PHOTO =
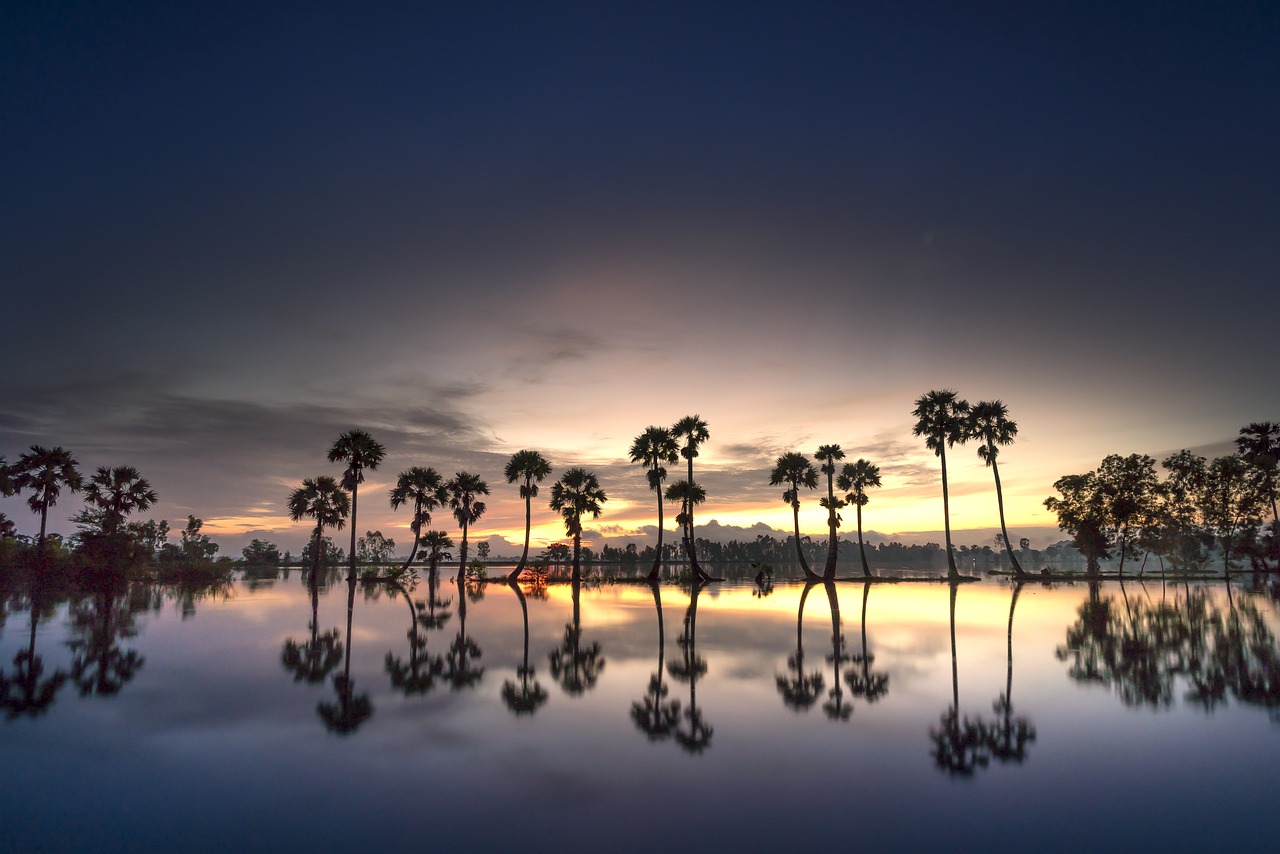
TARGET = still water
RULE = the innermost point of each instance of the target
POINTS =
(1105, 717)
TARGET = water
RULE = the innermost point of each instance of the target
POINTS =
(173, 723)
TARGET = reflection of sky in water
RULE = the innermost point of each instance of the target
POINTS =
(214, 745)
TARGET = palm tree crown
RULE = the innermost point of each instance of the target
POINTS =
(576, 493)
(44, 472)
(652, 448)
(856, 478)
(693, 430)
(989, 423)
(795, 469)
(425, 489)
(941, 419)
(359, 451)
(462, 491)
(321, 499)
(117, 492)
(531, 467)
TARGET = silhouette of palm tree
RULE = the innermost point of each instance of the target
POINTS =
(694, 735)
(828, 455)
(26, 692)
(44, 472)
(460, 670)
(959, 747)
(794, 468)
(532, 468)
(652, 448)
(989, 424)
(359, 451)
(577, 493)
(576, 666)
(462, 492)
(418, 675)
(1008, 737)
(321, 499)
(868, 685)
(350, 710)
(523, 699)
(942, 419)
(425, 488)
(856, 479)
(654, 715)
(799, 689)
(835, 707)
(313, 660)
(693, 430)
(98, 623)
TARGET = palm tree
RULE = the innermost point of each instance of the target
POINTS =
(686, 496)
(462, 492)
(531, 467)
(942, 419)
(425, 488)
(827, 455)
(323, 500)
(117, 492)
(652, 448)
(989, 424)
(437, 544)
(359, 451)
(794, 468)
(44, 472)
(576, 493)
(693, 430)
(856, 479)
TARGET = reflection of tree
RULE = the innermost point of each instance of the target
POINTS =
(835, 707)
(523, 698)
(98, 624)
(314, 659)
(1008, 737)
(694, 735)
(959, 746)
(459, 665)
(574, 665)
(350, 710)
(1242, 656)
(26, 692)
(655, 715)
(418, 674)
(864, 682)
(799, 689)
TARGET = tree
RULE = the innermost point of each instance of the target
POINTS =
(531, 468)
(1259, 445)
(856, 479)
(437, 544)
(989, 424)
(195, 545)
(425, 489)
(693, 431)
(1184, 534)
(359, 451)
(1129, 485)
(577, 493)
(1081, 507)
(324, 501)
(1230, 501)
(686, 496)
(261, 553)
(374, 548)
(462, 492)
(795, 469)
(942, 418)
(44, 472)
(651, 449)
(110, 496)
(828, 455)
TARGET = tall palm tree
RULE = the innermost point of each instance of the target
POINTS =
(44, 472)
(117, 492)
(941, 417)
(828, 455)
(425, 488)
(323, 500)
(359, 451)
(855, 479)
(576, 493)
(693, 431)
(651, 449)
(462, 492)
(530, 467)
(795, 469)
(989, 424)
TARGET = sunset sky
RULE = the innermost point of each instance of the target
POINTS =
(229, 233)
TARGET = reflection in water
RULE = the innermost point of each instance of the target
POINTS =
(694, 733)
(1007, 738)
(313, 660)
(26, 691)
(959, 747)
(799, 689)
(864, 682)
(835, 707)
(350, 710)
(98, 623)
(576, 666)
(655, 715)
(418, 674)
(523, 698)
(460, 669)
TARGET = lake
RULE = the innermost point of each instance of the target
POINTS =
(981, 716)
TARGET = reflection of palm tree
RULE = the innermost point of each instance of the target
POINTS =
(989, 423)
(694, 735)
(532, 467)
(835, 707)
(26, 693)
(794, 468)
(359, 451)
(432, 620)
(941, 419)
(959, 747)
(575, 494)
(459, 667)
(418, 675)
(44, 472)
(315, 659)
(425, 489)
(799, 689)
(350, 711)
(828, 455)
(655, 715)
(865, 683)
(576, 666)
(462, 492)
(98, 664)
(523, 699)
(693, 430)
(856, 479)
(1007, 738)
(652, 448)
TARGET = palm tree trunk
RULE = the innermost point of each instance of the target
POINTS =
(417, 536)
(354, 490)
(952, 572)
(577, 555)
(1008, 546)
(866, 660)
(804, 564)
(462, 559)
(862, 549)
(528, 523)
(829, 571)
(657, 559)
(1008, 679)
(955, 675)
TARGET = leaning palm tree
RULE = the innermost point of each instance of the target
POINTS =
(576, 493)
(989, 424)
(794, 468)
(323, 500)
(44, 472)
(941, 417)
(652, 448)
(117, 492)
(531, 468)
(693, 430)
(359, 451)
(462, 492)
(425, 488)
(855, 479)
(827, 455)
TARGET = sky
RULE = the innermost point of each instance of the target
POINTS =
(229, 233)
